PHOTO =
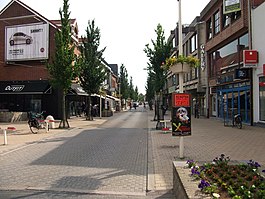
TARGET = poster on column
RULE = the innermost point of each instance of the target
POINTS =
(181, 114)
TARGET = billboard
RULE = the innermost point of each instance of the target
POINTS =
(231, 6)
(26, 42)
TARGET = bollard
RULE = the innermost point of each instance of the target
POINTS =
(5, 137)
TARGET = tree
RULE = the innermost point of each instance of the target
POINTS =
(123, 80)
(61, 69)
(157, 55)
(92, 72)
(156, 74)
(131, 89)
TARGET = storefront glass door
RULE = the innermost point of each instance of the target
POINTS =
(234, 101)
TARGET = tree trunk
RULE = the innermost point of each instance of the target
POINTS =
(88, 110)
(63, 123)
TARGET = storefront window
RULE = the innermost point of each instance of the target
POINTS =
(262, 98)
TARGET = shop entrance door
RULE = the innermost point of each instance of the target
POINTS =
(234, 101)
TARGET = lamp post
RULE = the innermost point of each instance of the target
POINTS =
(181, 76)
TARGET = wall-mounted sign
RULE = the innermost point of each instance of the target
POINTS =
(203, 64)
(250, 58)
(241, 73)
(181, 114)
(26, 42)
(231, 6)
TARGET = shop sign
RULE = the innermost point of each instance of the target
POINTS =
(14, 88)
(242, 73)
(203, 64)
(250, 58)
(181, 114)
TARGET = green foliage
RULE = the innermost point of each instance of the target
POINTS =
(62, 70)
(157, 54)
(91, 70)
(124, 85)
(191, 60)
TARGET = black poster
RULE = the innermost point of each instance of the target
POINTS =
(181, 121)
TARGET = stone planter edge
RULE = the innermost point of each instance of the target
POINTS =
(184, 187)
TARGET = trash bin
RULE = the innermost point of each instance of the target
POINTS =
(50, 121)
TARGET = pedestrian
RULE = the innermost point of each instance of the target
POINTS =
(196, 108)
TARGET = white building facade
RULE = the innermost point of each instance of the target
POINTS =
(258, 43)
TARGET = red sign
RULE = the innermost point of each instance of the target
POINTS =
(181, 99)
(250, 57)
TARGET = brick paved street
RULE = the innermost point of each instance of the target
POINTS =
(125, 177)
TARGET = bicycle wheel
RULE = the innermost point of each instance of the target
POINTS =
(34, 128)
(239, 123)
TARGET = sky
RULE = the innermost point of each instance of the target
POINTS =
(125, 26)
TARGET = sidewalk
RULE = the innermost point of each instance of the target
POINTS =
(209, 139)
(22, 135)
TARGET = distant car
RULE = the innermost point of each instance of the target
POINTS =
(20, 38)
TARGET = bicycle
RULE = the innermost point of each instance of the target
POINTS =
(237, 121)
(36, 122)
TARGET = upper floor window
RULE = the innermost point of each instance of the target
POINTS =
(235, 16)
(193, 43)
(217, 22)
(209, 28)
(226, 20)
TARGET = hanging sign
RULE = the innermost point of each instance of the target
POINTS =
(250, 58)
(181, 114)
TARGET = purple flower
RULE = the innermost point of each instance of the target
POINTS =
(254, 164)
(194, 171)
(203, 184)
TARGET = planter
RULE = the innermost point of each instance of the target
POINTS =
(184, 187)
(180, 68)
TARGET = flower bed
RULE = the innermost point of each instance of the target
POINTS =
(221, 179)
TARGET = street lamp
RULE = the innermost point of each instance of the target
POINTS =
(181, 76)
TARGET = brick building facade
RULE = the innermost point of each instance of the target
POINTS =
(27, 44)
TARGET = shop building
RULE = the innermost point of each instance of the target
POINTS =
(195, 80)
(258, 43)
(26, 46)
(227, 36)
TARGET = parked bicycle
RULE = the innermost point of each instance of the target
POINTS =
(36, 122)
(237, 121)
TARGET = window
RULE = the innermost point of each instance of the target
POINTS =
(193, 43)
(226, 21)
(209, 29)
(235, 16)
(217, 22)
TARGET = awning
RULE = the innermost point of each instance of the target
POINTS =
(25, 87)
(78, 90)
(113, 98)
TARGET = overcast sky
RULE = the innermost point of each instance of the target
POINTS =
(126, 26)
